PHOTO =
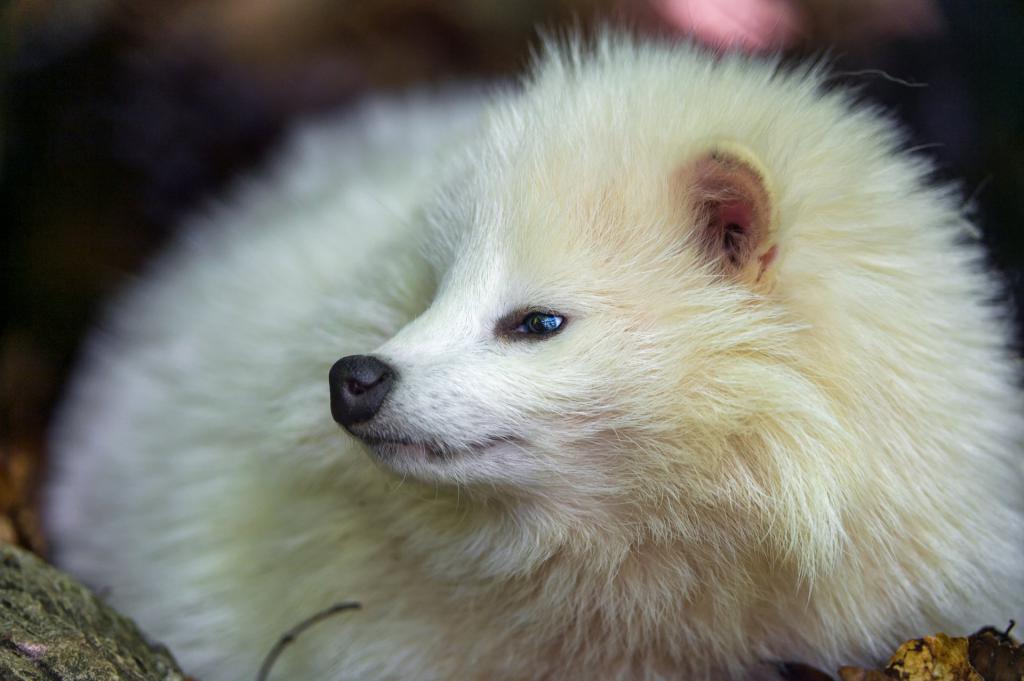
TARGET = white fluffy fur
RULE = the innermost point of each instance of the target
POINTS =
(692, 479)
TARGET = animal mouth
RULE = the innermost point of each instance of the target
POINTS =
(390, 447)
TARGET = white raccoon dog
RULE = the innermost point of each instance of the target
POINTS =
(662, 366)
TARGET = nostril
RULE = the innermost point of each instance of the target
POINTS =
(359, 386)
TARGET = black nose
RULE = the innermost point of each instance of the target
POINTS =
(359, 384)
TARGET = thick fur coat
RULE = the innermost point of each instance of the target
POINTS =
(780, 420)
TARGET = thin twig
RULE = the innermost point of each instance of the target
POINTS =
(293, 633)
(985, 181)
(881, 74)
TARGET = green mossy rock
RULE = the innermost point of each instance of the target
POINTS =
(54, 629)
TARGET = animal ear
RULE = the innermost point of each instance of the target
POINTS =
(728, 198)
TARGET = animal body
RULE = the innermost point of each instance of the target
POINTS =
(659, 366)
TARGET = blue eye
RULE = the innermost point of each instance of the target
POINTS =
(540, 324)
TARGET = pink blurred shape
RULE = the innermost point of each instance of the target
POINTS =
(746, 25)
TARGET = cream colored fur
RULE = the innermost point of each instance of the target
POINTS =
(691, 480)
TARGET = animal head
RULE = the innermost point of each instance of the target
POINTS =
(658, 274)
(577, 325)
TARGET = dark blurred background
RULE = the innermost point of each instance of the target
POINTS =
(119, 117)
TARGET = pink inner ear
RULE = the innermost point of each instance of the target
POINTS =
(729, 224)
(739, 214)
(732, 200)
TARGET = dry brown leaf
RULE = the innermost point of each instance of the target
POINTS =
(933, 658)
(19, 473)
(996, 656)
(858, 674)
(988, 655)
(795, 671)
